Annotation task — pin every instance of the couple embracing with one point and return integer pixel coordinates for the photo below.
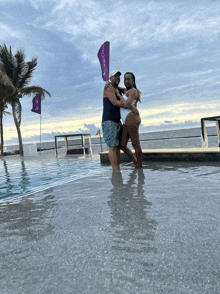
(121, 104)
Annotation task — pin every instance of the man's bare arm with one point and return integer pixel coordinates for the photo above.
(127, 104)
(109, 92)
(121, 90)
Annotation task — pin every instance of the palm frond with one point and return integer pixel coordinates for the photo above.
(7, 88)
(21, 67)
(3, 106)
(20, 74)
(7, 112)
(28, 75)
(2, 68)
(20, 55)
(8, 60)
(34, 90)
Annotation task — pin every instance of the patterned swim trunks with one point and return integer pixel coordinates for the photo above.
(111, 132)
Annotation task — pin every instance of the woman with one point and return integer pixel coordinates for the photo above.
(131, 121)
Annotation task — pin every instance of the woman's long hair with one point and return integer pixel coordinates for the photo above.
(133, 77)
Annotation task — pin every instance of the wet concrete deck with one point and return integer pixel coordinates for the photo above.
(155, 230)
(172, 154)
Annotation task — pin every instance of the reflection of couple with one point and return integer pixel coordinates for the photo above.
(133, 227)
(115, 106)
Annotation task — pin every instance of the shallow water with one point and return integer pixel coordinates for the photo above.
(154, 230)
(20, 176)
(73, 226)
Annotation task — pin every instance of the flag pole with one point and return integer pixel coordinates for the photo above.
(104, 58)
(100, 140)
(40, 134)
(37, 108)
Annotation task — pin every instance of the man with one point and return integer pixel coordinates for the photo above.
(111, 124)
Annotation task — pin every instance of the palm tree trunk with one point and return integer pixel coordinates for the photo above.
(1, 130)
(18, 131)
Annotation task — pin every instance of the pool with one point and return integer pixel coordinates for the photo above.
(22, 176)
(150, 231)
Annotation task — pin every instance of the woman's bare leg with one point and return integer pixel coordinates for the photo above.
(123, 145)
(134, 131)
(132, 125)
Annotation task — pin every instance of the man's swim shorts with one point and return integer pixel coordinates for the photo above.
(111, 132)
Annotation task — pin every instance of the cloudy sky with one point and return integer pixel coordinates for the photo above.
(173, 48)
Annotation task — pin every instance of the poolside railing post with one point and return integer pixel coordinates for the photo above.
(100, 140)
(66, 142)
(218, 132)
(204, 136)
(56, 145)
(83, 144)
(90, 145)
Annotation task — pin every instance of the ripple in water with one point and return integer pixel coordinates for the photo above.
(33, 174)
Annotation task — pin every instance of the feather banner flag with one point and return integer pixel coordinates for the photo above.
(36, 104)
(103, 56)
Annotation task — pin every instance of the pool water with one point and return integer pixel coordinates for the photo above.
(21, 176)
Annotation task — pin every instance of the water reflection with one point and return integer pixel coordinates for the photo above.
(7, 186)
(178, 166)
(28, 219)
(24, 179)
(14, 185)
(134, 229)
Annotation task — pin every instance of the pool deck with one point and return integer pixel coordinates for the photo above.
(154, 230)
(174, 154)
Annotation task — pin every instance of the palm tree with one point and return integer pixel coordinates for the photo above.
(7, 89)
(20, 73)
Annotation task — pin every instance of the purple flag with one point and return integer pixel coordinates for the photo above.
(103, 56)
(37, 104)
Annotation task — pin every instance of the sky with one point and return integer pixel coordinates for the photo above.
(172, 47)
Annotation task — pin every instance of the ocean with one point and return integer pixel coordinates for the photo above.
(181, 138)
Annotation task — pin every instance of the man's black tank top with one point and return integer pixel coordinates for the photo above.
(110, 112)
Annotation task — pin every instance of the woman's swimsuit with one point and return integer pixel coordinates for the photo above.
(125, 111)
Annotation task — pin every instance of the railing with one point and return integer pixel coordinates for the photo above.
(204, 135)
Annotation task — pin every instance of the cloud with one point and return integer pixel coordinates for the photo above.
(171, 114)
(80, 86)
(63, 124)
(31, 134)
(179, 113)
(171, 46)
(9, 32)
(90, 128)
(7, 2)
(132, 25)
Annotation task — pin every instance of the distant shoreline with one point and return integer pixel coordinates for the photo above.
(192, 132)
(94, 136)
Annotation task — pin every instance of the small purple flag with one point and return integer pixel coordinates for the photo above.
(103, 56)
(36, 104)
